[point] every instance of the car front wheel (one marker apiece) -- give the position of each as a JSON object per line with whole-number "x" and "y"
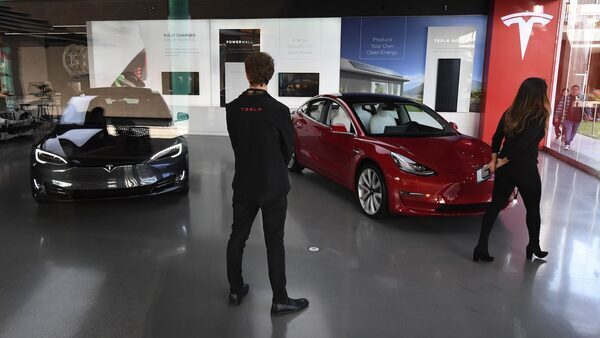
{"x": 371, "y": 191}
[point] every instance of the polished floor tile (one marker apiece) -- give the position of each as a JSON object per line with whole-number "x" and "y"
{"x": 155, "y": 267}
{"x": 584, "y": 149}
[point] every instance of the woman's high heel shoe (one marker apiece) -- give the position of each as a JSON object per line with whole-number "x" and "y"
{"x": 530, "y": 251}
{"x": 481, "y": 255}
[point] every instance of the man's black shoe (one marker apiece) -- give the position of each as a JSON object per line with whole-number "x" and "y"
{"x": 235, "y": 298}
{"x": 290, "y": 306}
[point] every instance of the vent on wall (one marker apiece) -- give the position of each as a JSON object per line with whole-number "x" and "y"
{"x": 446, "y": 94}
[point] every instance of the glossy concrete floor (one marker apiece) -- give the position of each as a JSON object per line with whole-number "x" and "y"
{"x": 156, "y": 266}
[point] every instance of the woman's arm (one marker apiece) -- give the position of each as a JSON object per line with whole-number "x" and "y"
{"x": 496, "y": 143}
{"x": 498, "y": 135}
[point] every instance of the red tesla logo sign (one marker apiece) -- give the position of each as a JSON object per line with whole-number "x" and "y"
{"x": 526, "y": 20}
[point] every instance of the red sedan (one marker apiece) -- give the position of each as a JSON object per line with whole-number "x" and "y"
{"x": 395, "y": 154}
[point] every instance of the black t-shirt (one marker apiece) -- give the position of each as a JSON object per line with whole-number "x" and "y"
{"x": 262, "y": 136}
{"x": 520, "y": 148}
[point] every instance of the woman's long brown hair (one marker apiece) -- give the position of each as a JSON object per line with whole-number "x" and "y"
{"x": 530, "y": 104}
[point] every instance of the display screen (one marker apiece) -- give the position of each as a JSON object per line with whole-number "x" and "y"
{"x": 180, "y": 83}
{"x": 298, "y": 84}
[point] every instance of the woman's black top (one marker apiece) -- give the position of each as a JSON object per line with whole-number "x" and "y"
{"x": 520, "y": 148}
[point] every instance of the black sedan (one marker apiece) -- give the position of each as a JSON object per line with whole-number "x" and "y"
{"x": 111, "y": 142}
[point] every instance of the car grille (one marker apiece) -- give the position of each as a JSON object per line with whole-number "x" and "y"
{"x": 61, "y": 193}
{"x": 124, "y": 192}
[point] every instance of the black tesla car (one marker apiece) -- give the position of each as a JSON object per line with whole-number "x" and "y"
{"x": 111, "y": 142}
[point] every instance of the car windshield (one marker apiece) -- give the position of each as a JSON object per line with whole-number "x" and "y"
{"x": 388, "y": 119}
{"x": 97, "y": 105}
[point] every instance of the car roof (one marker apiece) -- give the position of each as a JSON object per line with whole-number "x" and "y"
{"x": 370, "y": 96}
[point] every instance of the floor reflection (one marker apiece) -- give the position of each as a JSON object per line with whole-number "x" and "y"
{"x": 155, "y": 266}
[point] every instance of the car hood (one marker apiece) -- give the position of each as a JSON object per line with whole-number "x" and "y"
{"x": 95, "y": 147}
{"x": 452, "y": 154}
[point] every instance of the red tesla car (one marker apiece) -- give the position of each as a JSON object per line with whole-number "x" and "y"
{"x": 395, "y": 154}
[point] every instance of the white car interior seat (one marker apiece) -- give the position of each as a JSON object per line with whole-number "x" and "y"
{"x": 364, "y": 116}
{"x": 339, "y": 117}
{"x": 382, "y": 119}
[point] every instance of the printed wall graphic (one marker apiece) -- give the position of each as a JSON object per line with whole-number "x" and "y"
{"x": 389, "y": 55}
{"x": 197, "y": 65}
{"x": 139, "y": 53}
{"x": 234, "y": 46}
{"x": 450, "y": 43}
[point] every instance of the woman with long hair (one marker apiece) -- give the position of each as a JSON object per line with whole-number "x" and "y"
{"x": 514, "y": 163}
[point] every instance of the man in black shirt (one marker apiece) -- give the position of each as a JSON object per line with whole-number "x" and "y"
{"x": 261, "y": 134}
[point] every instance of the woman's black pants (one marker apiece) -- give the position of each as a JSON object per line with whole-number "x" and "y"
{"x": 527, "y": 179}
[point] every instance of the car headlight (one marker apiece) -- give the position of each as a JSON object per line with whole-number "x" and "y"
{"x": 45, "y": 157}
{"x": 172, "y": 152}
{"x": 410, "y": 166}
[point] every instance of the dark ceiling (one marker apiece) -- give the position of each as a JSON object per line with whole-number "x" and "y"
{"x": 77, "y": 12}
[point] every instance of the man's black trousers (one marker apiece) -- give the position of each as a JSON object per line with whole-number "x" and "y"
{"x": 273, "y": 214}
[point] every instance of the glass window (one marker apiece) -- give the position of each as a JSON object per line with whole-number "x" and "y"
{"x": 418, "y": 115}
{"x": 574, "y": 129}
{"x": 315, "y": 110}
{"x": 338, "y": 116}
{"x": 401, "y": 119}
{"x": 379, "y": 87}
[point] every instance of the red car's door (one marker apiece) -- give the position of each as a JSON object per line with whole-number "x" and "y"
{"x": 337, "y": 145}
{"x": 309, "y": 128}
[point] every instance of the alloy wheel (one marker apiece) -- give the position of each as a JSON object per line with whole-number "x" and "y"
{"x": 370, "y": 191}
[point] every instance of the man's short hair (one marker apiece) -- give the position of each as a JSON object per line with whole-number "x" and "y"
{"x": 259, "y": 68}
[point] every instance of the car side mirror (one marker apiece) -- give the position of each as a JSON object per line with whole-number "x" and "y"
{"x": 182, "y": 117}
{"x": 339, "y": 128}
{"x": 453, "y": 125}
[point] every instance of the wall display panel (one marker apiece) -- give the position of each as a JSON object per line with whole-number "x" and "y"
{"x": 392, "y": 55}
{"x": 454, "y": 78}
{"x": 298, "y": 84}
{"x": 234, "y": 46}
{"x": 141, "y": 53}
{"x": 296, "y": 45}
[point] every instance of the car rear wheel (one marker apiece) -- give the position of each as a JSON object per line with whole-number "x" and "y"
{"x": 371, "y": 191}
{"x": 294, "y": 165}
